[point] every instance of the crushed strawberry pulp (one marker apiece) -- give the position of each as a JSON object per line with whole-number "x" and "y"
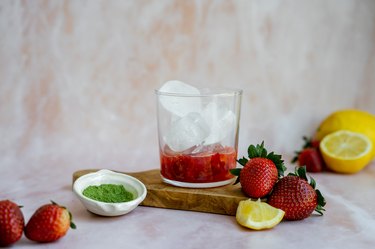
{"x": 198, "y": 165}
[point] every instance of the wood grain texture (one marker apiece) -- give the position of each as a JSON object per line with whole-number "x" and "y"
{"x": 219, "y": 200}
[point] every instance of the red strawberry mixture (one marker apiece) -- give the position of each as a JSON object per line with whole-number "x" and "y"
{"x": 210, "y": 164}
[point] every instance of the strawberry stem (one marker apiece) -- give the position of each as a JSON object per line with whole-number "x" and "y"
{"x": 72, "y": 225}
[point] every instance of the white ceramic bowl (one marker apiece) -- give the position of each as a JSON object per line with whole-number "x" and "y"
{"x": 131, "y": 184}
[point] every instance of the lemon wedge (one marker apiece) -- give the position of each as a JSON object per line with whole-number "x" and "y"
{"x": 346, "y": 151}
{"x": 258, "y": 215}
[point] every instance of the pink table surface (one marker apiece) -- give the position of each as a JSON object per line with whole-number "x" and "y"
{"x": 349, "y": 221}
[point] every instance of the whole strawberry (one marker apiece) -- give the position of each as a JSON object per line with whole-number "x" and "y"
{"x": 296, "y": 196}
{"x": 260, "y": 172}
{"x": 50, "y": 222}
{"x": 310, "y": 156}
{"x": 11, "y": 223}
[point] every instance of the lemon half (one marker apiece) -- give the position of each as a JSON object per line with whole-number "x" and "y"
{"x": 346, "y": 151}
{"x": 258, "y": 215}
{"x": 351, "y": 120}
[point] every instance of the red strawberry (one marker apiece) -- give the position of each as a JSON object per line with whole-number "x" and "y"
{"x": 296, "y": 196}
{"x": 49, "y": 223}
{"x": 260, "y": 173}
{"x": 11, "y": 223}
{"x": 310, "y": 156}
{"x": 312, "y": 159}
{"x": 314, "y": 143}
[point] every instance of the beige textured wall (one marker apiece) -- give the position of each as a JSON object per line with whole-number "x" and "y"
{"x": 77, "y": 77}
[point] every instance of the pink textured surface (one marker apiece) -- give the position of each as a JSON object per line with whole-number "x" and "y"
{"x": 76, "y": 91}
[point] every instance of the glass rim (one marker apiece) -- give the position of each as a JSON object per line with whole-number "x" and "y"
{"x": 205, "y": 92}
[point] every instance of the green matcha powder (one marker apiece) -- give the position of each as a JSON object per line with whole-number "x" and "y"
{"x": 112, "y": 193}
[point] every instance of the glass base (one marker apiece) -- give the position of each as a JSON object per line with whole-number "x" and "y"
{"x": 197, "y": 185}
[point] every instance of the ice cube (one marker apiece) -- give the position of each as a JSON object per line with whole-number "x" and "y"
{"x": 178, "y": 105}
{"x": 188, "y": 131}
{"x": 211, "y": 148}
{"x": 220, "y": 120}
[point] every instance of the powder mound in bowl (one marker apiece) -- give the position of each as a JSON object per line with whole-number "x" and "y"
{"x": 110, "y": 193}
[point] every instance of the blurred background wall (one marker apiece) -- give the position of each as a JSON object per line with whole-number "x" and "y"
{"x": 77, "y": 78}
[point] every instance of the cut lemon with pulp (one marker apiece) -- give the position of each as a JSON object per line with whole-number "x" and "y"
{"x": 350, "y": 120}
{"x": 345, "y": 151}
{"x": 258, "y": 215}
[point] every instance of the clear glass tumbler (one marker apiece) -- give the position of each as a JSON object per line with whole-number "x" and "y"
{"x": 198, "y": 136}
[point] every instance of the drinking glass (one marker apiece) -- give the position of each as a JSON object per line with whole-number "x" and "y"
{"x": 198, "y": 136}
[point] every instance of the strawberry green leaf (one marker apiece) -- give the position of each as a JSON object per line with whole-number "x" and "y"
{"x": 279, "y": 163}
{"x": 321, "y": 203}
{"x": 263, "y": 153}
{"x": 301, "y": 172}
{"x": 257, "y": 151}
{"x": 312, "y": 183}
{"x": 295, "y": 158}
{"x": 235, "y": 171}
{"x": 242, "y": 161}
{"x": 308, "y": 142}
{"x": 252, "y": 151}
{"x": 237, "y": 180}
{"x": 260, "y": 151}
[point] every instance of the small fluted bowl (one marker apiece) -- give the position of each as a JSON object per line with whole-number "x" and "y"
{"x": 131, "y": 184}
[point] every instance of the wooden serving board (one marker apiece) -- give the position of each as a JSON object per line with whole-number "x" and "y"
{"x": 219, "y": 200}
